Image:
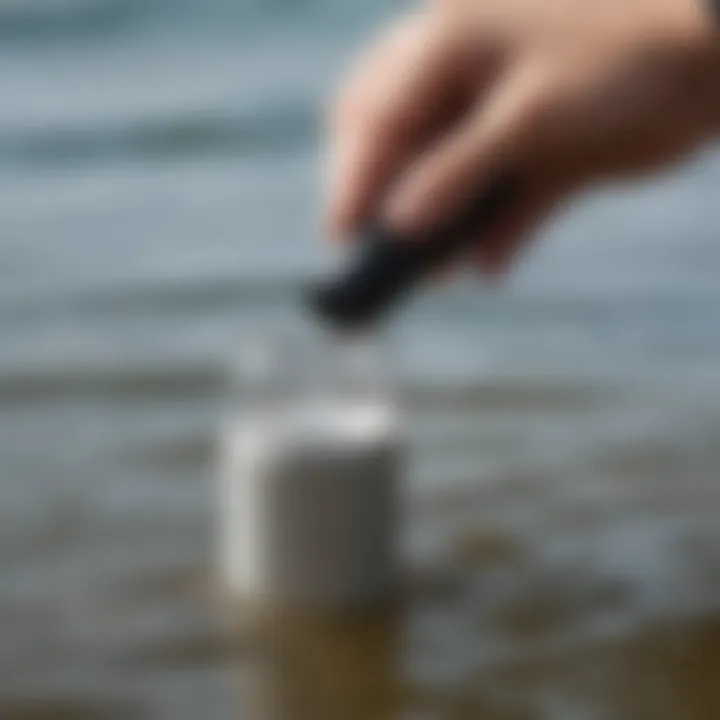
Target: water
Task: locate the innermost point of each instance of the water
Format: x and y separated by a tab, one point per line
157	189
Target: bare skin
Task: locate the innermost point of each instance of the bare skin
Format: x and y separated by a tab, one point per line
567	93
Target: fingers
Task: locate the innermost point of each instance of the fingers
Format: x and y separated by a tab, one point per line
504	134
413	84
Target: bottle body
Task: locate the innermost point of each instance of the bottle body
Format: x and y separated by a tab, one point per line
309	481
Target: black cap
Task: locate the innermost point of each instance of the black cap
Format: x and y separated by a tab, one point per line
388	267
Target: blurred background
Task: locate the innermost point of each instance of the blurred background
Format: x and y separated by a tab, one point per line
158	188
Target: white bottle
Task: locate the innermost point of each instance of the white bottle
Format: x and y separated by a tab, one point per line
311	458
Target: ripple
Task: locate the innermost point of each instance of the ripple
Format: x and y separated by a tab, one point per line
269	131
121	383
40	20
66	707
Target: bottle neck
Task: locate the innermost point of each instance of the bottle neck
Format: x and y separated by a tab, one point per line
307	365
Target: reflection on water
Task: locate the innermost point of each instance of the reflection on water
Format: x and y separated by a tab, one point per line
580	581
356	671
325	668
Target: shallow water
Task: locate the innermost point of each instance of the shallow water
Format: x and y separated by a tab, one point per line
157	194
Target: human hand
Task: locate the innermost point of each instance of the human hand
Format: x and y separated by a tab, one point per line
564	93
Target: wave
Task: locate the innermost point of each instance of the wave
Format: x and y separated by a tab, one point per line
142	383
204	378
34	20
30	21
268	131
197	296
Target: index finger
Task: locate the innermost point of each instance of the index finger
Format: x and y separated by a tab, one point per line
410	86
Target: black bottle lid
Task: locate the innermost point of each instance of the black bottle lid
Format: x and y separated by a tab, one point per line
388	267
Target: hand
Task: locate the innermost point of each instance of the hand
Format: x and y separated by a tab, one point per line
564	92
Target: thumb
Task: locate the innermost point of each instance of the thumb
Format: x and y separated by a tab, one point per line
499	136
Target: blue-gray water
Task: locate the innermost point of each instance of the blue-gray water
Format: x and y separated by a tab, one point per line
158	190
